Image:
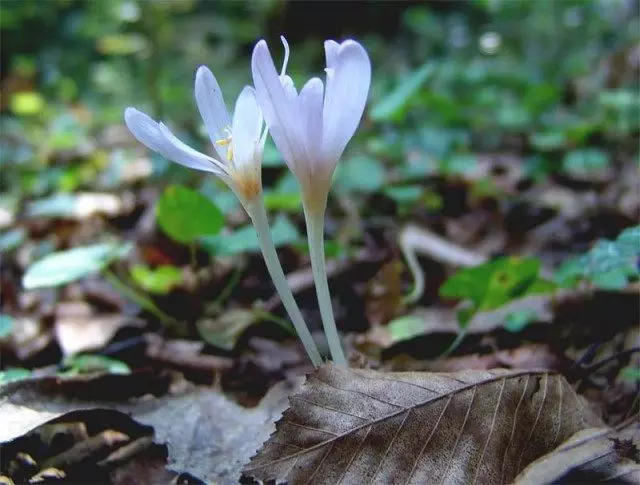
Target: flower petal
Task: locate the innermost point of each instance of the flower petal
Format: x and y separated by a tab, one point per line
331	48
211	105
348	81
157	137
309	106
277	110
289	88
247	129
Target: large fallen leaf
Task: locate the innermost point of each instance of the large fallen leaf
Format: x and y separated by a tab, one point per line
362	426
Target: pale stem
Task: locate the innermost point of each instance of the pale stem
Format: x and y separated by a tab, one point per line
315	235
258	215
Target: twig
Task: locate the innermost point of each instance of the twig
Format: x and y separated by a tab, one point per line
415	240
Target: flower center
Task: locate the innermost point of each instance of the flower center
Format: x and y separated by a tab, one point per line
227	142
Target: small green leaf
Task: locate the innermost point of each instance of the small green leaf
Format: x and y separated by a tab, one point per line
12	239
404	195
284	201
225	331
495	283
393	105
6	326
628	242
361	174
159	280
459	164
14	374
548	140
245	239
405	328
85	363
615	279
583	163
517	321
27	103
185	214
73	264
630	374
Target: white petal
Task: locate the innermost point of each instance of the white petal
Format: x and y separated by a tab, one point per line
211	105
310	113
143	128
159	138
331	53
247	129
278	112
348	80
289	88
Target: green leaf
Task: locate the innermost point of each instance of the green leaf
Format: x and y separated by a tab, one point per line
495	283
517	321
14	374
27	103
160	280
607	265
12	239
405	328
225	331
630	374
85	363
185	214
393	105
245	239
459	164
284	201
6	326
628	242
582	163
361	174
615	279
73	264
404	195
548	140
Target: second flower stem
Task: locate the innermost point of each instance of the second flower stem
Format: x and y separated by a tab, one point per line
258	215
315	235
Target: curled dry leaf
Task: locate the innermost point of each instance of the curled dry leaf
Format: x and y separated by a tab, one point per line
589	456
362	426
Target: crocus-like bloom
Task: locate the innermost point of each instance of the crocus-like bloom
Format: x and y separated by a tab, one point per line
312	128
238	144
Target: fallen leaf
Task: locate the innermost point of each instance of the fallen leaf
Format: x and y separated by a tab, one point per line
206	434
363	426
77	329
589	456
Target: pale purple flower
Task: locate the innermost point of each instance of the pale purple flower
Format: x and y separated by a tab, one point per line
312	128
238	143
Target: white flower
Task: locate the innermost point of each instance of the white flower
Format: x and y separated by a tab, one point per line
311	129
238	144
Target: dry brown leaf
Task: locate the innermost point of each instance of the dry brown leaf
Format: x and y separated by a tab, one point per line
589	456
362	426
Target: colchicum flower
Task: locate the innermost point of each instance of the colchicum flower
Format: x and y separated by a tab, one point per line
238	146
311	129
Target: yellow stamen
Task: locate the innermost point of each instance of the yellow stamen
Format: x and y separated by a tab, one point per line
227	141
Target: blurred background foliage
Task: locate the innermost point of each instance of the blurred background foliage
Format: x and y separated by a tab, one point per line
550	85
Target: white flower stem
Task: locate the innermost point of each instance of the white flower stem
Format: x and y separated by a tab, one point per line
315	235
258	215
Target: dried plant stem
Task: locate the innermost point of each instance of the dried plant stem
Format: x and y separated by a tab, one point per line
258	215
315	235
